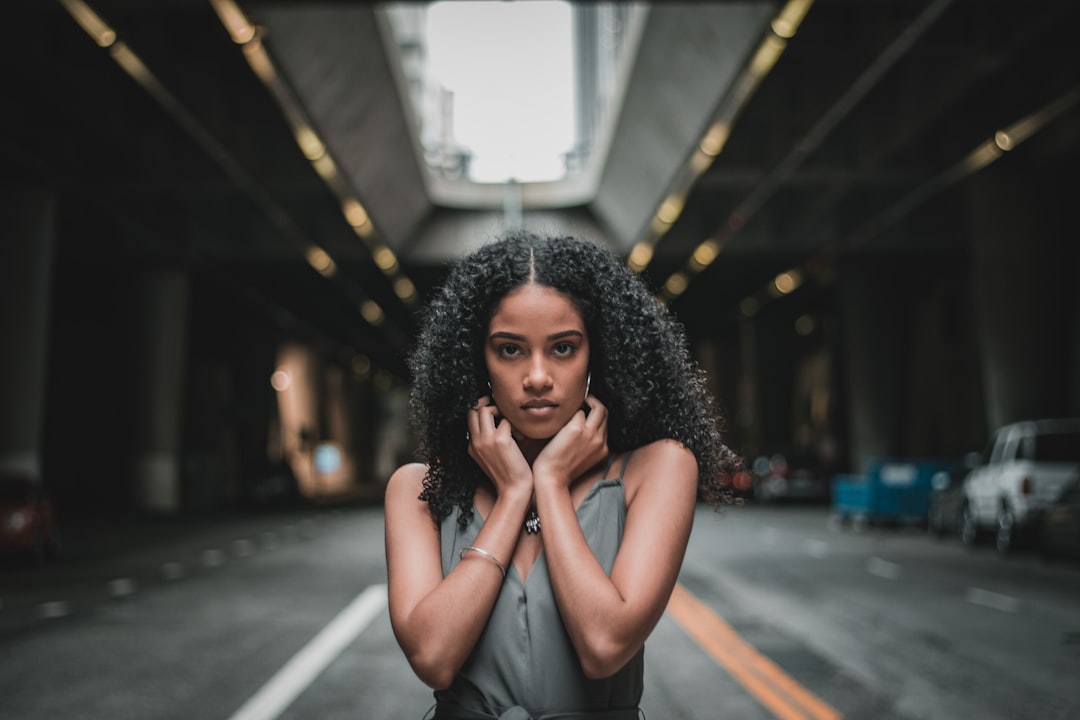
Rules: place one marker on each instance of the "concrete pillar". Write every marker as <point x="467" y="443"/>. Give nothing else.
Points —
<point x="160" y="339"/>
<point x="775" y="357"/>
<point x="300" y="412"/>
<point x="26" y="260"/>
<point x="1074" y="364"/>
<point x="339" y="478"/>
<point x="392" y="437"/>
<point x="1023" y="278"/>
<point x="944" y="402"/>
<point x="747" y="420"/>
<point x="874" y="328"/>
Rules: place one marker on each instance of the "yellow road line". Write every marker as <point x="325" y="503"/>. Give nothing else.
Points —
<point x="773" y="688"/>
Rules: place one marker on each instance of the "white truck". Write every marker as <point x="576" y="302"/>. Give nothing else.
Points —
<point x="1022" y="471"/>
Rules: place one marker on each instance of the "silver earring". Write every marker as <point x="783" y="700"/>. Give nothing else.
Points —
<point x="588" y="382"/>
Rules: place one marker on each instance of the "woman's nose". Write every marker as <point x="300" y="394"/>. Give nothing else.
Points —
<point x="538" y="375"/>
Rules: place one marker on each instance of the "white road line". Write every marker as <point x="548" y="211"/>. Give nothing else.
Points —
<point x="297" y="674"/>
<point x="213" y="557"/>
<point x="883" y="568"/>
<point x="172" y="570"/>
<point x="243" y="547"/>
<point x="996" y="601"/>
<point x="121" y="587"/>
<point x="53" y="609"/>
<point x="816" y="548"/>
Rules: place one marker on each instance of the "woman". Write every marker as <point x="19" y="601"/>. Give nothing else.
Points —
<point x="566" y="436"/>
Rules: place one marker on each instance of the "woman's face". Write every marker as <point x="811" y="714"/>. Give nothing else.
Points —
<point x="537" y="355"/>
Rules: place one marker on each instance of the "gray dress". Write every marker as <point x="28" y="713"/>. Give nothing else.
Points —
<point x="524" y="666"/>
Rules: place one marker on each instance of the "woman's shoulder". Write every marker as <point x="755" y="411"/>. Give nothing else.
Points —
<point x="664" y="450"/>
<point x="663" y="461"/>
<point x="407" y="480"/>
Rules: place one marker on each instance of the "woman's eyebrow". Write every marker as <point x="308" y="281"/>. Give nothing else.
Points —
<point x="503" y="335"/>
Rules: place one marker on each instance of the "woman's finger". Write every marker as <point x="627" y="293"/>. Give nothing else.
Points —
<point x="485" y="418"/>
<point x="472" y="420"/>
<point x="597" y="417"/>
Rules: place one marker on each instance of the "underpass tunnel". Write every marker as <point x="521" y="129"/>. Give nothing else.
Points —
<point x="174" y="343"/>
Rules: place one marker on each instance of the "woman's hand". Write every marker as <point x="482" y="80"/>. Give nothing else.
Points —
<point x="578" y="446"/>
<point x="608" y="614"/>
<point x="492" y="446"/>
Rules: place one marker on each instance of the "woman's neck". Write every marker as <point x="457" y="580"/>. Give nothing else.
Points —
<point x="531" y="448"/>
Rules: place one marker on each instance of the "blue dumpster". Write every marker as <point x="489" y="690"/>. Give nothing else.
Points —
<point x="851" y="496"/>
<point x="890" y="490"/>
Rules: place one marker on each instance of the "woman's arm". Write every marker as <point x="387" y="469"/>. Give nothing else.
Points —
<point x="437" y="620"/>
<point x="608" y="619"/>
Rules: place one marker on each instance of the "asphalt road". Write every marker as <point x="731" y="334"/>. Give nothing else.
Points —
<point x="779" y="613"/>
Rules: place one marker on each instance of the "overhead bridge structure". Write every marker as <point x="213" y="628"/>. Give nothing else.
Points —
<point x="863" y="213"/>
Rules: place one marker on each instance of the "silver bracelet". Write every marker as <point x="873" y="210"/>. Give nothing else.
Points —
<point x="485" y="553"/>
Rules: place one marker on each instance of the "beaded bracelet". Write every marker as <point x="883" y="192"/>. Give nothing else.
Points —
<point x="485" y="553"/>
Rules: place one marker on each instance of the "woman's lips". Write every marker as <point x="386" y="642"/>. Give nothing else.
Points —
<point x="539" y="409"/>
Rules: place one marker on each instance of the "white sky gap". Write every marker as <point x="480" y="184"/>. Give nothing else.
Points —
<point x="297" y="674"/>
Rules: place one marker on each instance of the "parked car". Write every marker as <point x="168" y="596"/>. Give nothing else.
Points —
<point x="1021" y="473"/>
<point x="28" y="524"/>
<point x="945" y="513"/>
<point x="792" y="476"/>
<point x="1060" y="535"/>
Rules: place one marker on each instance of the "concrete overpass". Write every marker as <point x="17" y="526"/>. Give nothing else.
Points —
<point x="873" y="257"/>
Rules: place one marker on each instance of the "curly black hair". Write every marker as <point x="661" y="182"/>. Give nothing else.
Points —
<point x="639" y="360"/>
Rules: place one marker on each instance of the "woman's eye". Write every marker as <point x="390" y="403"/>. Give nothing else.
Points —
<point x="563" y="349"/>
<point x="509" y="350"/>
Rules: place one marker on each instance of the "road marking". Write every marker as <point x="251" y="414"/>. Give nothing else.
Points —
<point x="172" y="570"/>
<point x="773" y="688"/>
<point x="816" y="548"/>
<point x="996" y="601"/>
<point x="213" y="557"/>
<point x="243" y="547"/>
<point x="883" y="568"/>
<point x="121" y="587"/>
<point x="53" y="609"/>
<point x="297" y="674"/>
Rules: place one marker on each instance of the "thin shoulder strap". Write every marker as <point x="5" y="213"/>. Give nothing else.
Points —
<point x="611" y="461"/>
<point x="607" y="466"/>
